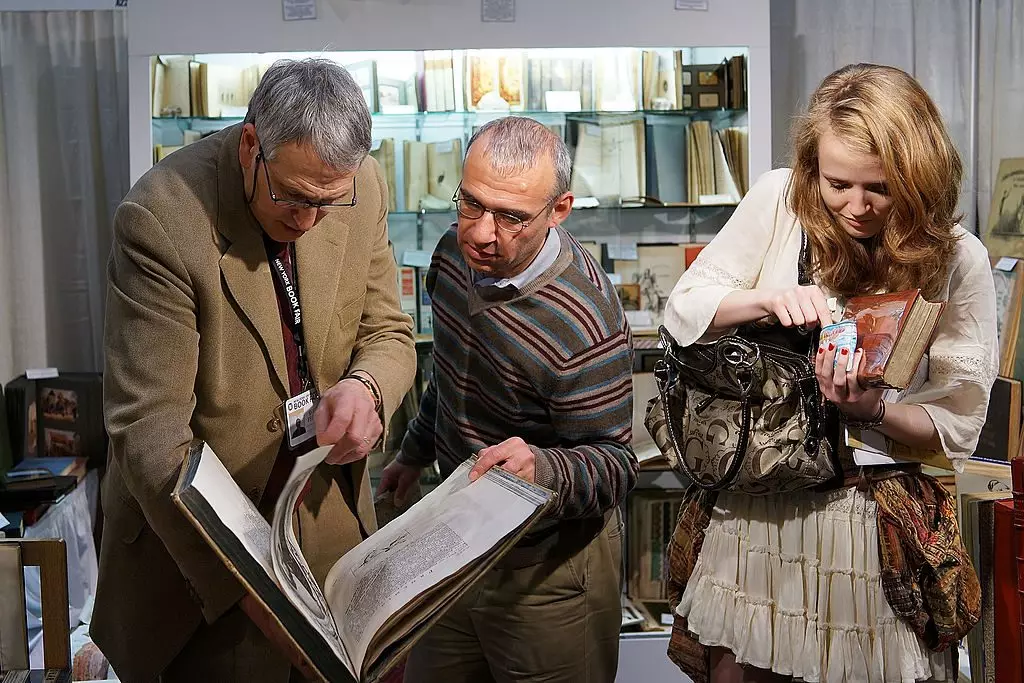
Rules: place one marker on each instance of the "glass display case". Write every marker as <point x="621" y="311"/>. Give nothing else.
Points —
<point x="658" y="139"/>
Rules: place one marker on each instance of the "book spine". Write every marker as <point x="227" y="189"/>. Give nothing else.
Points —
<point x="1017" y="474"/>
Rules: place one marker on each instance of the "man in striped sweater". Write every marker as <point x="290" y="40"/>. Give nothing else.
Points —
<point x="532" y="373"/>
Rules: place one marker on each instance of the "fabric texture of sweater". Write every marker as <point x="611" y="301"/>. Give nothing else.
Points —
<point x="550" y="363"/>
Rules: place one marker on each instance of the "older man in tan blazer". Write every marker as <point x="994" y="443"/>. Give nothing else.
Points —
<point x="202" y="342"/>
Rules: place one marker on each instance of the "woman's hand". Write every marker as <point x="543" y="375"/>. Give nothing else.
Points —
<point x="802" y="306"/>
<point x="793" y="306"/>
<point x="842" y="387"/>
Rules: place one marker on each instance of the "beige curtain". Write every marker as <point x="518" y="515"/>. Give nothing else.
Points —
<point x="63" y="168"/>
<point x="1001" y="96"/>
<point x="927" y="38"/>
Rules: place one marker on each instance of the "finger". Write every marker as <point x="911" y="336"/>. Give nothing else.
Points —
<point x="338" y="420"/>
<point x="793" y="309"/>
<point x="782" y="313"/>
<point x="809" y="313"/>
<point x="388" y="481"/>
<point x="839" y="373"/>
<point x="852" y="385"/>
<point x="822" y="312"/>
<point x="819" y="361"/>
<point x="486" y="459"/>
<point x="322" y="414"/>
<point x="402" y="490"/>
<point x="361" y="432"/>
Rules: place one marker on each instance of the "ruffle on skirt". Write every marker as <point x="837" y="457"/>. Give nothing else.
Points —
<point x="790" y="583"/>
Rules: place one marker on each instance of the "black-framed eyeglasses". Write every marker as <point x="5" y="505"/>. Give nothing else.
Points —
<point x="300" y="203"/>
<point x="472" y="209"/>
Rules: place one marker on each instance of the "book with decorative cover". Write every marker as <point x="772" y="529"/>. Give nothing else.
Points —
<point x="894" y="331"/>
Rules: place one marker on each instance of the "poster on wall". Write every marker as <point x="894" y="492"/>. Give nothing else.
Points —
<point x="1005" y="233"/>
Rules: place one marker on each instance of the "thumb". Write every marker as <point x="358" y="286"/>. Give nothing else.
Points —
<point x="320" y="417"/>
<point x="385" y="482"/>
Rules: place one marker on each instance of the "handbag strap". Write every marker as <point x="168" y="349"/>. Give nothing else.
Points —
<point x="803" y="265"/>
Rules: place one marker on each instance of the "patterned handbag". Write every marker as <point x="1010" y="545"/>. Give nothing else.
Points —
<point x="745" y="413"/>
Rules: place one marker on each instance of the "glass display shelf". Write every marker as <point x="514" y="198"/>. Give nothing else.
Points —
<point x="487" y="115"/>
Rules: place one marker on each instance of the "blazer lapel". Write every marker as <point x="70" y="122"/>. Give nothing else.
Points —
<point x="244" y="265"/>
<point x="319" y="254"/>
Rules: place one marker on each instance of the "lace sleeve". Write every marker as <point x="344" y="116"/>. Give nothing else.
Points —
<point x="964" y="356"/>
<point x="733" y="260"/>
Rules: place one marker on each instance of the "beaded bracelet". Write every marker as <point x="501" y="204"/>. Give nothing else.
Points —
<point x="875" y="421"/>
<point x="371" y="387"/>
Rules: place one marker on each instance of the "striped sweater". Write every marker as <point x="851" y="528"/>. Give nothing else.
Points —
<point x="552" y="365"/>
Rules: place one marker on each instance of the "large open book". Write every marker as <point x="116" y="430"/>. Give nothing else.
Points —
<point x="381" y="596"/>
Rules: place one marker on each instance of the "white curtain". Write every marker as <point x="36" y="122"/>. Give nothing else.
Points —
<point x="63" y="169"/>
<point x="929" y="39"/>
<point x="1001" y="94"/>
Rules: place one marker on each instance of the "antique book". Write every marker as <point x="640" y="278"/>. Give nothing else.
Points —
<point x="1009" y="283"/>
<point x="1001" y="432"/>
<point x="382" y="595"/>
<point x="894" y="330"/>
<point x="1005" y="231"/>
<point x="978" y="528"/>
<point x="1017" y="468"/>
<point x="384" y="152"/>
<point x="1007" y="605"/>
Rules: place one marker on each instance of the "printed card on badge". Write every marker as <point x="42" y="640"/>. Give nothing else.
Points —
<point x="298" y="412"/>
<point x="844" y="335"/>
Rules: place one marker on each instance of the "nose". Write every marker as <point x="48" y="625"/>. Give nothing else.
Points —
<point x="306" y="218"/>
<point x="484" y="229"/>
<point x="859" y="205"/>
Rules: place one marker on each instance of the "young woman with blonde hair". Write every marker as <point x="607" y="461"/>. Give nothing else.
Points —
<point x="788" y="586"/>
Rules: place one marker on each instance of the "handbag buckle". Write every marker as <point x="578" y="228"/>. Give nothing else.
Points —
<point x="739" y="358"/>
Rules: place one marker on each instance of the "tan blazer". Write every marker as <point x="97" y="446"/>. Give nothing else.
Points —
<point x="194" y="348"/>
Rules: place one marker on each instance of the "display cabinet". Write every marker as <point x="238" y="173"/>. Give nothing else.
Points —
<point x="658" y="137"/>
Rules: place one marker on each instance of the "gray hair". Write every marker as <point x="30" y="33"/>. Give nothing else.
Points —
<point x="513" y="144"/>
<point x="315" y="102"/>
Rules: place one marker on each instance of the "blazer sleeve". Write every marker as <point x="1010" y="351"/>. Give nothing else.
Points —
<point x="384" y="347"/>
<point x="152" y="354"/>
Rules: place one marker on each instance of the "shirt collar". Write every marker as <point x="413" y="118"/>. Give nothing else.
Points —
<point x="541" y="262"/>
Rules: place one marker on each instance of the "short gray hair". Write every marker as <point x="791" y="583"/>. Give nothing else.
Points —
<point x="314" y="102"/>
<point x="513" y="144"/>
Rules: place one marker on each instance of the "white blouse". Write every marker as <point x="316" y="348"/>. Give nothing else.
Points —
<point x="759" y="247"/>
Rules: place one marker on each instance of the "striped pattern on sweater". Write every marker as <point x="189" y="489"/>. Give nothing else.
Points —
<point x="552" y="365"/>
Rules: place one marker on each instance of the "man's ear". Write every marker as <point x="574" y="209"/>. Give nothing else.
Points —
<point x="561" y="209"/>
<point x="248" y="146"/>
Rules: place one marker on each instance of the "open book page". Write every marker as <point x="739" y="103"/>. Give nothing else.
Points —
<point x="233" y="508"/>
<point x="293" y="574"/>
<point x="448" y="529"/>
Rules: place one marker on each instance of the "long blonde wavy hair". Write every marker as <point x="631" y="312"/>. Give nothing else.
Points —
<point x="882" y="111"/>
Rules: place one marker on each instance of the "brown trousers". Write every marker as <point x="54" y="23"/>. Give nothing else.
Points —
<point x="230" y="649"/>
<point x="556" y="622"/>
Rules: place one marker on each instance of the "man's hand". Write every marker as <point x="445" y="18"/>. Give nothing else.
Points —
<point x="347" y="418"/>
<point x="399" y="478"/>
<point x="276" y="635"/>
<point x="512" y="454"/>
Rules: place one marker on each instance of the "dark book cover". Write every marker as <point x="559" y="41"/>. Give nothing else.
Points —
<point x="1000" y="434"/>
<point x="1007" y="605"/>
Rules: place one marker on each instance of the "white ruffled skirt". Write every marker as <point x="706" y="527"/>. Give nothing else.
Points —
<point x="791" y="584"/>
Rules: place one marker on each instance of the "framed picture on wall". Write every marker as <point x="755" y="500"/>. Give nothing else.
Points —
<point x="1005" y="232"/>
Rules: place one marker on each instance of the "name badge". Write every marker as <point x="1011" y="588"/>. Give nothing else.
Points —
<point x="298" y="412"/>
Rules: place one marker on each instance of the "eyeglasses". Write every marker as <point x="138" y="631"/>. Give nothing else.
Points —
<point x="300" y="203"/>
<point x="472" y="209"/>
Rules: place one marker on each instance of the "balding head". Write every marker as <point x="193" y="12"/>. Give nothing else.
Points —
<point x="514" y="144"/>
